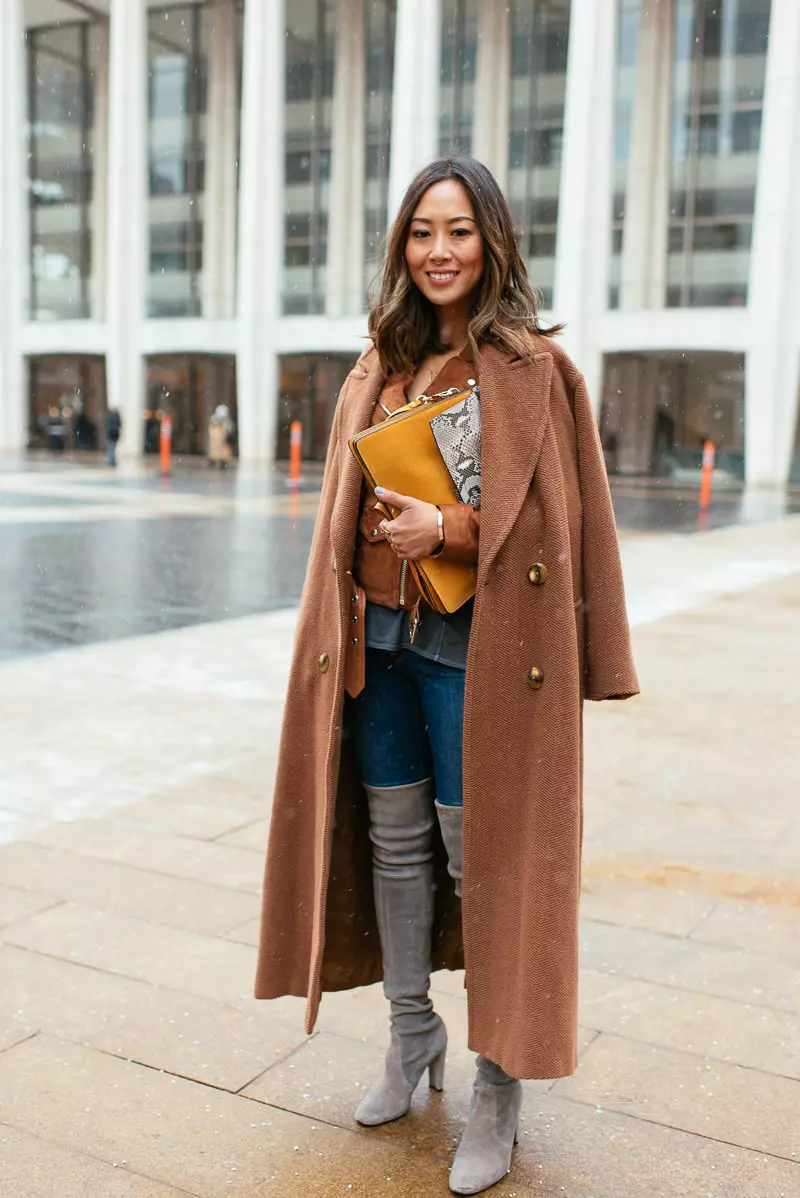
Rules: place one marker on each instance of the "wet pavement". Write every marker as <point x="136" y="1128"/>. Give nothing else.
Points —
<point x="88" y="554"/>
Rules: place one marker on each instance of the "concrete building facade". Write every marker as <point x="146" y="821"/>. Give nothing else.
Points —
<point x="194" y="197"/>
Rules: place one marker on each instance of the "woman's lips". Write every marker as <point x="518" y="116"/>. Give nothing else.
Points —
<point x="440" y="278"/>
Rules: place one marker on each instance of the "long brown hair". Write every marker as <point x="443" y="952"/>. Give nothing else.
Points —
<point x="402" y="322"/>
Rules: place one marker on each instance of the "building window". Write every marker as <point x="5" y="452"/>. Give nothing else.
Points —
<point x="717" y="95"/>
<point x="457" y="80"/>
<point x="309" y="386"/>
<point x="194" y="105"/>
<point x="310" y="46"/>
<point x="61" y="65"/>
<point x="690" y="89"/>
<point x="539" y="44"/>
<point x="178" y="95"/>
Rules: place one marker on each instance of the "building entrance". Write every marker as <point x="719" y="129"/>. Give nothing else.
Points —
<point x="660" y="408"/>
<point x="66" y="403"/>
<point x="187" y="388"/>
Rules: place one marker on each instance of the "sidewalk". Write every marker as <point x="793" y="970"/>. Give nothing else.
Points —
<point x="133" y="806"/>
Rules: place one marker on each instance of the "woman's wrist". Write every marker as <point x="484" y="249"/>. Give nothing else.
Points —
<point x="439" y="532"/>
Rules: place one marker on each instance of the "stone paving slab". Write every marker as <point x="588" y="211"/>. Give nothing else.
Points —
<point x="207" y="966"/>
<point x="15" y="903"/>
<point x="709" y="1098"/>
<point x="31" y="1167"/>
<point x="711" y="1027"/>
<point x="211" y="1042"/>
<point x="156" y="851"/>
<point x="112" y="886"/>
<point x="748" y="977"/>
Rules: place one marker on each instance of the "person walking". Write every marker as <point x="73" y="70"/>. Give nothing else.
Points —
<point x="454" y="747"/>
<point x="113" y="434"/>
<point x="220" y="437"/>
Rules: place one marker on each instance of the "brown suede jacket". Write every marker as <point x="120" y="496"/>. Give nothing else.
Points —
<point x="381" y="575"/>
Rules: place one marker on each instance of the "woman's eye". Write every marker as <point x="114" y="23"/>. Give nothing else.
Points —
<point x="461" y="232"/>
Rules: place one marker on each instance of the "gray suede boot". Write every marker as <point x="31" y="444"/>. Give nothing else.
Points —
<point x="484" y="1154"/>
<point x="401" y="831"/>
<point x="451" y="824"/>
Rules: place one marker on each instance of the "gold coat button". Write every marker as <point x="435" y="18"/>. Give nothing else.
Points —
<point x="324" y="663"/>
<point x="535" y="678"/>
<point x="538" y="574"/>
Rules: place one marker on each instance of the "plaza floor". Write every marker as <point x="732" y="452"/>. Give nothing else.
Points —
<point x="134" y="803"/>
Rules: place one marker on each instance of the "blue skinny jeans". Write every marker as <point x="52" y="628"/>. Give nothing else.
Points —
<point x="408" y="722"/>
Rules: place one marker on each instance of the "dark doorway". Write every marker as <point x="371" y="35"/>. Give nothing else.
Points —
<point x="187" y="388"/>
<point x="66" y="403"/>
<point x="309" y="387"/>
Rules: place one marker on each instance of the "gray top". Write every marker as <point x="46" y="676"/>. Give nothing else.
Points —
<point x="440" y="638"/>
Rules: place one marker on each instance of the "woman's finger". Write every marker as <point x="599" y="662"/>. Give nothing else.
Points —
<point x="403" y="502"/>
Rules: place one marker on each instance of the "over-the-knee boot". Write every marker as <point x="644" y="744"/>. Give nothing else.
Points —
<point x="401" y="830"/>
<point x="484" y="1154"/>
<point x="451" y="824"/>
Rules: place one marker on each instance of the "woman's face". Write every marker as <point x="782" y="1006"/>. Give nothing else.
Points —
<point x="444" y="249"/>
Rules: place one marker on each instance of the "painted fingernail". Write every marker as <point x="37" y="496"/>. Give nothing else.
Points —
<point x="380" y="490"/>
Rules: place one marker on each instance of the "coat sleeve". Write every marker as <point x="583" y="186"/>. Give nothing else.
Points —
<point x="462" y="529"/>
<point x="609" y="671"/>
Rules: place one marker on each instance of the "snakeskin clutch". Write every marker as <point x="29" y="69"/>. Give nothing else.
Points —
<point x="457" y="432"/>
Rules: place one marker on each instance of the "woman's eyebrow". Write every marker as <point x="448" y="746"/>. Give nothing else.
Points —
<point x="451" y="220"/>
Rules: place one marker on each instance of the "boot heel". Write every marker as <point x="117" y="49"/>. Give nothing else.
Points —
<point x="436" y="1072"/>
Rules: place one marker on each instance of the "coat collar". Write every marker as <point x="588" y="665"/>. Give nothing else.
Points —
<point x="515" y="402"/>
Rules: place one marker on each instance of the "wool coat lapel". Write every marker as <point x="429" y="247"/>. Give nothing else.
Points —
<point x="515" y="401"/>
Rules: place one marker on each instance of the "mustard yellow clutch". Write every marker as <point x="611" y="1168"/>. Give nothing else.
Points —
<point x="402" y="455"/>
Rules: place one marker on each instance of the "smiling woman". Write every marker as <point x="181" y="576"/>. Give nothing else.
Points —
<point x="418" y="745"/>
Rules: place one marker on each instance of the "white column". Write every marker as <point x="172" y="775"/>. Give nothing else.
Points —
<point x="644" y="250"/>
<point x="773" y="355"/>
<point x="219" y="201"/>
<point x="126" y="247"/>
<point x="345" y="273"/>
<point x="584" y="200"/>
<point x="493" y="89"/>
<point x="415" y="97"/>
<point x="99" y="210"/>
<point x="261" y="227"/>
<point x="13" y="243"/>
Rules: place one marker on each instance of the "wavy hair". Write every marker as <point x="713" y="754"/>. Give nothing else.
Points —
<point x="402" y="322"/>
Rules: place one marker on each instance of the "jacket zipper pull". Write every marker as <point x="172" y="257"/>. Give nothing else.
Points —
<point x="414" y="621"/>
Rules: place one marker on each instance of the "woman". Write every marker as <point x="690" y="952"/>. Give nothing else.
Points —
<point x="470" y="735"/>
<point x="220" y="437"/>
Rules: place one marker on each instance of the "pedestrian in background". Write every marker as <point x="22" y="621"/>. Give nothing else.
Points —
<point x="220" y="437"/>
<point x="459" y="751"/>
<point x="113" y="433"/>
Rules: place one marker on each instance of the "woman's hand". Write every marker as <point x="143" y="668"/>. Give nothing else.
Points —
<point x="415" y="532"/>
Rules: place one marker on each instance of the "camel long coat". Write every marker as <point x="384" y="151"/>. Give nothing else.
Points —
<point x="545" y="500"/>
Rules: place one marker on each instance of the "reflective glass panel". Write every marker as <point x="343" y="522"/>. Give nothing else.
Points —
<point x="310" y="47"/>
<point x="61" y="65"/>
<point x="539" y="43"/>
<point x="719" y="64"/>
<point x="457" y="80"/>
<point x="177" y="106"/>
